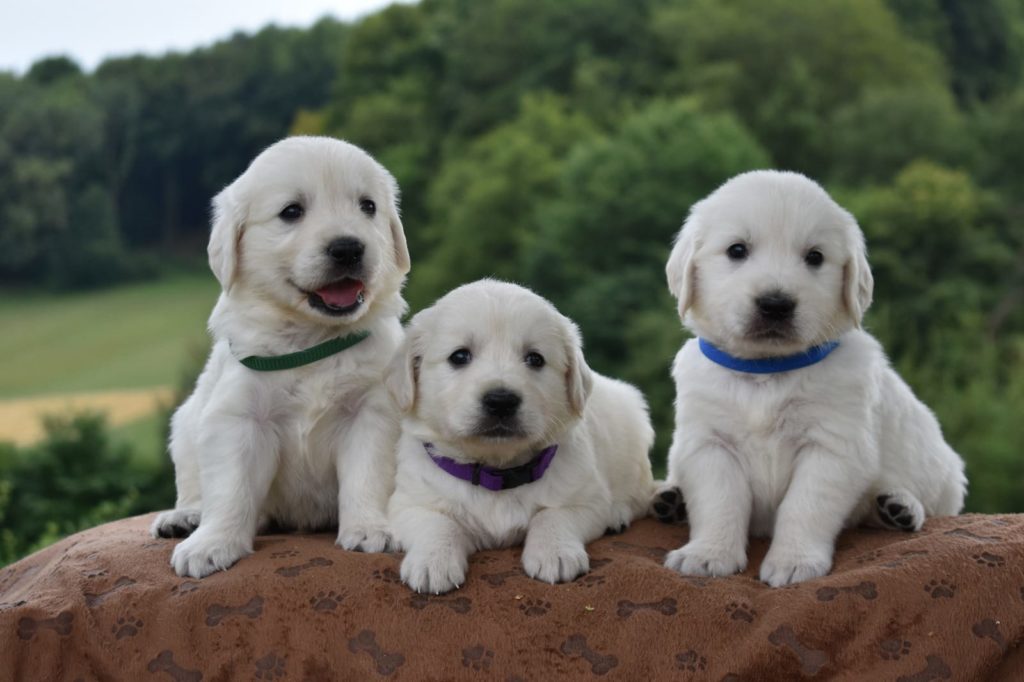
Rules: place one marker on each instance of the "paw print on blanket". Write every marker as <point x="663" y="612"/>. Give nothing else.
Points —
<point x="270" y="667"/>
<point x="691" y="661"/>
<point x="741" y="611"/>
<point x="940" y="589"/>
<point x="478" y="658"/>
<point x="126" y="626"/>
<point x="326" y="600"/>
<point x="989" y="560"/>
<point x="387" y="575"/>
<point x="534" y="607"/>
<point x="894" y="649"/>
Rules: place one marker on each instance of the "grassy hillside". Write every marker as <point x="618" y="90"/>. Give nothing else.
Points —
<point x="133" y="336"/>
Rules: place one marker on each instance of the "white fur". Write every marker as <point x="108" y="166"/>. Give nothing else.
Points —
<point x="794" y="455"/>
<point x="308" y="447"/>
<point x="600" y="477"/>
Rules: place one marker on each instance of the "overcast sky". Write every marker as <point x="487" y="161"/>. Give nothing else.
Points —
<point x="91" y="30"/>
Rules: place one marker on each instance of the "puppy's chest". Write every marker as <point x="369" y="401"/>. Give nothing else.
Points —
<point x="317" y="408"/>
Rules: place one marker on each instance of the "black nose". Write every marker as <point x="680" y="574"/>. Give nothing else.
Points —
<point x="346" y="251"/>
<point x="501" y="402"/>
<point x="776" y="306"/>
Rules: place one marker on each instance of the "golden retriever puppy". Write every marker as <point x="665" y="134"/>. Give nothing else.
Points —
<point x="790" y="422"/>
<point x="507" y="436"/>
<point x="289" y="422"/>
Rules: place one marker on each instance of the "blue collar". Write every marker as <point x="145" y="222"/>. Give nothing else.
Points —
<point x="812" y="355"/>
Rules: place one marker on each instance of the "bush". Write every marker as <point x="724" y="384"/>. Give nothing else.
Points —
<point x="75" y="478"/>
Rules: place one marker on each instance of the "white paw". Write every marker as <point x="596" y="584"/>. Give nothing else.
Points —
<point x="365" y="536"/>
<point x="203" y="553"/>
<point x="785" y="567"/>
<point x="176" y="523"/>
<point x="706" y="560"/>
<point x="436" y="570"/>
<point x="555" y="562"/>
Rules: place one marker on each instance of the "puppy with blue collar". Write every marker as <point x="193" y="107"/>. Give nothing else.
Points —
<point x="790" y="423"/>
<point x="508" y="437"/>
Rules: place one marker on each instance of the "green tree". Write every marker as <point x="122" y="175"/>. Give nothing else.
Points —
<point x="484" y="205"/>
<point x="784" y="66"/>
<point x="603" y="241"/>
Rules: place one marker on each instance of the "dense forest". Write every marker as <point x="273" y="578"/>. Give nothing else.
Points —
<point x="560" y="144"/>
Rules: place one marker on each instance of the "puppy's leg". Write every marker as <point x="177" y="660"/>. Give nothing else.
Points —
<point x="237" y="461"/>
<point x="184" y="518"/>
<point x="554" y="551"/>
<point x="825" y="488"/>
<point x="366" y="476"/>
<point x="437" y="550"/>
<point x="719" y="503"/>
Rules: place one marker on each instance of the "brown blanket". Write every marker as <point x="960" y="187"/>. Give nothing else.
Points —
<point x="943" y="604"/>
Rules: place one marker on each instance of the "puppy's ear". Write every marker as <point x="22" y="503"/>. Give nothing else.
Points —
<point x="402" y="376"/>
<point x="680" y="269"/>
<point x="858" y="283"/>
<point x="579" y="379"/>
<point x="228" y="223"/>
<point x="402" y="260"/>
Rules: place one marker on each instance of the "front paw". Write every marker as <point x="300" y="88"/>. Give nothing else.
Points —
<point x="553" y="562"/>
<point x="782" y="566"/>
<point x="434" y="571"/>
<point x="365" y="536"/>
<point x="203" y="553"/>
<point x="706" y="560"/>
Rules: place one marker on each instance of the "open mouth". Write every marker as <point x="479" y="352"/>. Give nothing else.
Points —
<point x="337" y="298"/>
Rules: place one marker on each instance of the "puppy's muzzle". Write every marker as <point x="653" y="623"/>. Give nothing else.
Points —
<point x="499" y="414"/>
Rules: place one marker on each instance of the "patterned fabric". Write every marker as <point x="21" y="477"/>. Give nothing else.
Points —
<point x="943" y="604"/>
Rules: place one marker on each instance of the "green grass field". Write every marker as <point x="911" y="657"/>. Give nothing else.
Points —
<point x="134" y="336"/>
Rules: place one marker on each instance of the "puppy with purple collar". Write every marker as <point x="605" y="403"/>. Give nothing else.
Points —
<point x="509" y="437"/>
<point x="790" y="423"/>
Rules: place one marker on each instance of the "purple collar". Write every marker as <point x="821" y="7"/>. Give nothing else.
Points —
<point x="495" y="479"/>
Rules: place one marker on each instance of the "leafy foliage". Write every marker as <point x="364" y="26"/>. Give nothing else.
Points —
<point x="74" y="479"/>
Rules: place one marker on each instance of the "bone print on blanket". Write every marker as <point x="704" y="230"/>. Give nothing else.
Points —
<point x="945" y="603"/>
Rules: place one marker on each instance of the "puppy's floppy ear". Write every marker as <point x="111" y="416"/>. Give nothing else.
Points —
<point x="858" y="283"/>
<point x="402" y="260"/>
<point x="402" y="375"/>
<point x="228" y="222"/>
<point x="680" y="269"/>
<point x="579" y="379"/>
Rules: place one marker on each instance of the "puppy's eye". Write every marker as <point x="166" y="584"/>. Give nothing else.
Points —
<point x="291" y="213"/>
<point x="460" y="357"/>
<point x="814" y="258"/>
<point x="737" y="251"/>
<point x="367" y="206"/>
<point x="534" y="359"/>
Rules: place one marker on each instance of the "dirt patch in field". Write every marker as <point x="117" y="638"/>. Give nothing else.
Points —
<point x="21" y="418"/>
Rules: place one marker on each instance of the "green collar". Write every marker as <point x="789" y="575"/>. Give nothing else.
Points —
<point x="273" y="363"/>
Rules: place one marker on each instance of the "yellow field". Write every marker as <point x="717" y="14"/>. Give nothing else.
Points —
<point x="20" y="418"/>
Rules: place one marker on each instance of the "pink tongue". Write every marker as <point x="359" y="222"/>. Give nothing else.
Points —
<point x="341" y="294"/>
